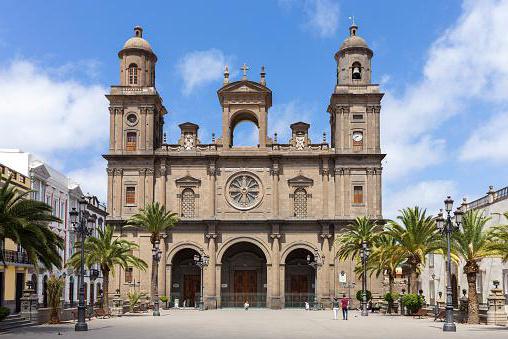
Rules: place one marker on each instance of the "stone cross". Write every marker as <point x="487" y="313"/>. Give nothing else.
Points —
<point x="244" y="69"/>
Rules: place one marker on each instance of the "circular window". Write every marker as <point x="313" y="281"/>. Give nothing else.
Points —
<point x="132" y="119"/>
<point x="244" y="191"/>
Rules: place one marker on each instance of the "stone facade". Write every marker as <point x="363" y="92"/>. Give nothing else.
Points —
<point x="258" y="212"/>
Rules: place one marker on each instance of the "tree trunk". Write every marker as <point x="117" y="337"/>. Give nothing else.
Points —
<point x="155" y="276"/>
<point x="105" y="289"/>
<point x="390" y="283"/>
<point x="472" y="298"/>
<point x="413" y="286"/>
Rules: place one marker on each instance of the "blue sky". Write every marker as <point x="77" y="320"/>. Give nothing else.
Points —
<point x="442" y="65"/>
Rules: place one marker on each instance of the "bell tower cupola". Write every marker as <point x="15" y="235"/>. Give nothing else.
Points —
<point x="353" y="59"/>
<point x="137" y="61"/>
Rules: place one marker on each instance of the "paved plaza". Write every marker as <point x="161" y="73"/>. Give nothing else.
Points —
<point x="258" y="324"/>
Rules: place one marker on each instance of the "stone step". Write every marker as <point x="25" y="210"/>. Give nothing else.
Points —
<point x="10" y="326"/>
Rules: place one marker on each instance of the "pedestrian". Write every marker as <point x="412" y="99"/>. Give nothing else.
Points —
<point x="335" y="306"/>
<point x="246" y="305"/>
<point x="307" y="306"/>
<point x="344" y="303"/>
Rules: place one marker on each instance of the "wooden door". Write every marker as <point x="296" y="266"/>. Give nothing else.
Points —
<point x="299" y="283"/>
<point x="191" y="289"/>
<point x="245" y="287"/>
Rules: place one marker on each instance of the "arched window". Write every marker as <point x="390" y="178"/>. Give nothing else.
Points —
<point x="133" y="74"/>
<point x="188" y="204"/>
<point x="131" y="141"/>
<point x="300" y="203"/>
<point x="357" y="71"/>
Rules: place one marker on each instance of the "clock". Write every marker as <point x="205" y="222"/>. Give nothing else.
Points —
<point x="357" y="136"/>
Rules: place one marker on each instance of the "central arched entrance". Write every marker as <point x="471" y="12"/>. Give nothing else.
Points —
<point x="243" y="276"/>
<point x="185" y="279"/>
<point x="299" y="279"/>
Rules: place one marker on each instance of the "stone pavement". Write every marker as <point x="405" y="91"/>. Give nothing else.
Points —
<point x="258" y="323"/>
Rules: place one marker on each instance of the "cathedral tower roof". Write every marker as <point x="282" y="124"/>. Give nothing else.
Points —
<point x="137" y="43"/>
<point x="353" y="40"/>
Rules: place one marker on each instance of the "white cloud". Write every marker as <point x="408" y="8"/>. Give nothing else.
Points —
<point x="425" y="194"/>
<point x="489" y="141"/>
<point x="283" y="115"/>
<point x="92" y="178"/>
<point x="43" y="115"/>
<point x="322" y="16"/>
<point x="467" y="63"/>
<point x="199" y="68"/>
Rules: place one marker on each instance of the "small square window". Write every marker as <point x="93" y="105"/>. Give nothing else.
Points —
<point x="357" y="116"/>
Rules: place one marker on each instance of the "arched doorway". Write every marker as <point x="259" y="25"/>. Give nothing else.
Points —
<point x="299" y="279"/>
<point x="45" y="291"/>
<point x="185" y="278"/>
<point x="455" y="292"/>
<point x="243" y="276"/>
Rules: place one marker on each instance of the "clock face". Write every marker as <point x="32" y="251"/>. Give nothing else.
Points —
<point x="357" y="136"/>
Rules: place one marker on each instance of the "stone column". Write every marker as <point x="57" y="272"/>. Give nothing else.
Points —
<point x="162" y="184"/>
<point x="142" y="128"/>
<point x="150" y="126"/>
<point x="111" y="129"/>
<point x="162" y="268"/>
<point x="210" y="293"/>
<point x="117" y="180"/>
<point x="275" y="170"/>
<point x="111" y="173"/>
<point x="339" y="195"/>
<point x="212" y="172"/>
<point x="326" y="182"/>
<point x="262" y="127"/>
<point x="141" y="185"/>
<point x="276" y="290"/>
<point x="347" y="191"/>
<point x="149" y="188"/>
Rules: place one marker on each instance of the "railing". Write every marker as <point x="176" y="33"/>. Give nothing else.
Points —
<point x="239" y="299"/>
<point x="478" y="203"/>
<point x="298" y="300"/>
<point x="502" y="193"/>
<point x="15" y="257"/>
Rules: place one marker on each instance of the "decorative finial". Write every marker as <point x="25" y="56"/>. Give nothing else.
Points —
<point x="226" y="75"/>
<point x="353" y="28"/>
<point x="324" y="137"/>
<point x="244" y="68"/>
<point x="275" y="137"/>
<point x="213" y="138"/>
<point x="164" y="137"/>
<point x="263" y="76"/>
<point x="138" y="32"/>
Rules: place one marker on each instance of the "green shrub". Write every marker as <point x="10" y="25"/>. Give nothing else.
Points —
<point x="413" y="302"/>
<point x="164" y="298"/>
<point x="391" y="297"/>
<point x="359" y="295"/>
<point x="4" y="312"/>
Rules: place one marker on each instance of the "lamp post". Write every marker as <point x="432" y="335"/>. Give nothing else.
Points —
<point x="315" y="262"/>
<point x="364" y="253"/>
<point x="447" y="226"/>
<point x="201" y="261"/>
<point x="156" y="256"/>
<point x="83" y="223"/>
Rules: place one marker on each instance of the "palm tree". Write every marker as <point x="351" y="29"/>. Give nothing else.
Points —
<point x="156" y="220"/>
<point x="107" y="251"/>
<point x="26" y="222"/>
<point x="499" y="236"/>
<point x="472" y="242"/>
<point x="362" y="230"/>
<point x="417" y="236"/>
<point x="386" y="258"/>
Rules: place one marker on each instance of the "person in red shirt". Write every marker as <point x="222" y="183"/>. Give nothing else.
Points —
<point x="344" y="303"/>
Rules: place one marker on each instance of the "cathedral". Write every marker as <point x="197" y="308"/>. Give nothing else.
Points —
<point x="265" y="217"/>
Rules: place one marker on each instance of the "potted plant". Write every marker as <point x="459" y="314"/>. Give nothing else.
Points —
<point x="392" y="300"/>
<point x="359" y="296"/>
<point x="164" y="299"/>
<point x="134" y="299"/>
<point x="55" y="290"/>
<point x="413" y="302"/>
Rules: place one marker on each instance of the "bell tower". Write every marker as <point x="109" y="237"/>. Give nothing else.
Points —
<point x="136" y="109"/>
<point x="355" y="102"/>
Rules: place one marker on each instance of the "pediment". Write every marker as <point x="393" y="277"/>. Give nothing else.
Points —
<point x="300" y="180"/>
<point x="188" y="181"/>
<point x="244" y="86"/>
<point x="75" y="190"/>
<point x="41" y="171"/>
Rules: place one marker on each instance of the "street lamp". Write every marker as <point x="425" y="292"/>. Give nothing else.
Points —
<point x="447" y="227"/>
<point x="201" y="261"/>
<point x="82" y="223"/>
<point x="315" y="263"/>
<point x="156" y="256"/>
<point x="364" y="254"/>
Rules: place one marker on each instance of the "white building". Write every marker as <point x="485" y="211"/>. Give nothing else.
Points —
<point x="433" y="278"/>
<point x="62" y="194"/>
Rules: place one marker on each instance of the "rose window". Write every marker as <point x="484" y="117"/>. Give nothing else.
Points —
<point x="244" y="191"/>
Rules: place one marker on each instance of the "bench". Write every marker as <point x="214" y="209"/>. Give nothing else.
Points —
<point x="102" y="313"/>
<point x="420" y="313"/>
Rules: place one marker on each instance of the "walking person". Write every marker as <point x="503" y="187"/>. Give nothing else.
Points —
<point x="335" y="306"/>
<point x="344" y="303"/>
